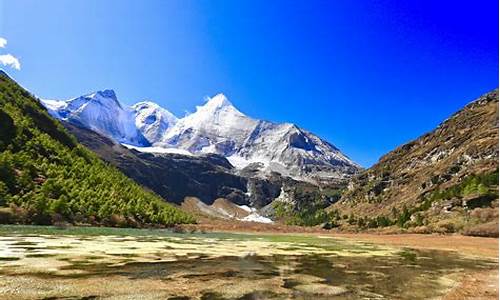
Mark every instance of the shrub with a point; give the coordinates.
(485, 230)
(484, 215)
(403, 217)
(421, 230)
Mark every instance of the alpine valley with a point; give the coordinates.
(249, 150)
(214, 153)
(218, 163)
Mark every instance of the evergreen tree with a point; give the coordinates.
(47, 175)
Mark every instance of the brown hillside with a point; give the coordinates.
(464, 145)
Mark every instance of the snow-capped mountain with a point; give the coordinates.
(101, 112)
(215, 127)
(152, 120)
(218, 127)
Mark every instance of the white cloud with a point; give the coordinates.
(10, 60)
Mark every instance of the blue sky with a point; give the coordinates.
(365, 75)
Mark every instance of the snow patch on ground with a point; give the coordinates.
(159, 150)
(209, 149)
(237, 161)
(246, 208)
(255, 217)
(240, 162)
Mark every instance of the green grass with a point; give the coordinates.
(307, 240)
(83, 231)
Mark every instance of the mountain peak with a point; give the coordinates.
(218, 101)
(144, 104)
(104, 94)
(105, 97)
(150, 107)
(108, 93)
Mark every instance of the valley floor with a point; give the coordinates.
(473, 285)
(469, 245)
(466, 245)
(46, 262)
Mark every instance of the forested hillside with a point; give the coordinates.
(46, 176)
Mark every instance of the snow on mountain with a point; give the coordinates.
(53, 106)
(152, 120)
(218, 127)
(215, 127)
(101, 112)
(152, 149)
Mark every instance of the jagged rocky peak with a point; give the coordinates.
(220, 109)
(149, 113)
(298, 139)
(215, 127)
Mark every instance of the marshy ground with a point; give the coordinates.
(106, 263)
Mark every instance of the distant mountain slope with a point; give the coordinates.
(442, 175)
(46, 176)
(174, 176)
(218, 127)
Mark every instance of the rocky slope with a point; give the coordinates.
(436, 180)
(216, 127)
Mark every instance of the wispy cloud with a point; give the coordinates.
(10, 60)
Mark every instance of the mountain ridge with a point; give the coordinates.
(439, 181)
(218, 127)
(100, 111)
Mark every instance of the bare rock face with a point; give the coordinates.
(463, 145)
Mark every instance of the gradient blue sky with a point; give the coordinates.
(365, 75)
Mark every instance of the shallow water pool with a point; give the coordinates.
(93, 263)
